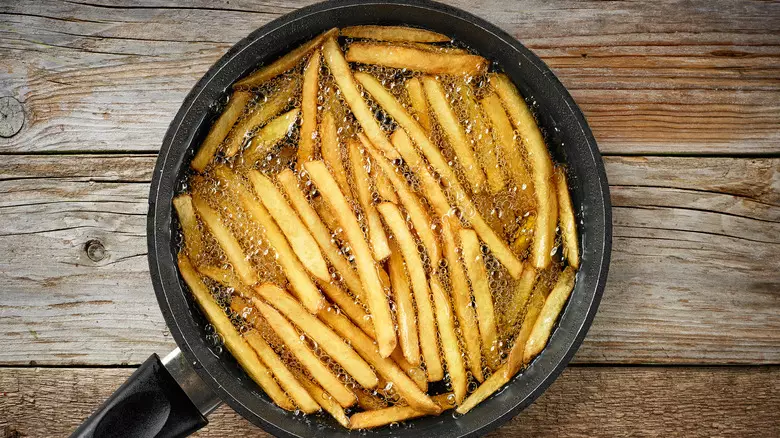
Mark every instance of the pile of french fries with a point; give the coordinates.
(375, 232)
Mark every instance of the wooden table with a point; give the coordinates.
(684, 100)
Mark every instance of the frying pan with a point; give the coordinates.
(171, 397)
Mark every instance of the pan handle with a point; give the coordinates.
(163, 398)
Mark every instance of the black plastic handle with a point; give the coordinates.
(149, 404)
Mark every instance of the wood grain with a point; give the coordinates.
(584, 401)
(675, 77)
(694, 274)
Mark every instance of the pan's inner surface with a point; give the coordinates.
(566, 133)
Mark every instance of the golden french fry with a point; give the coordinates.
(381, 417)
(330, 220)
(435, 48)
(520, 297)
(269, 135)
(346, 83)
(349, 306)
(485, 148)
(376, 233)
(541, 169)
(219, 130)
(475, 267)
(461, 297)
(515, 361)
(568, 226)
(331, 150)
(325, 400)
(237, 346)
(455, 133)
(394, 33)
(425, 317)
(385, 367)
(285, 63)
(301, 241)
(193, 237)
(426, 61)
(329, 341)
(369, 402)
(375, 295)
(311, 86)
(449, 341)
(419, 103)
(407, 320)
(384, 187)
(524, 234)
(226, 240)
(483, 391)
(295, 272)
(258, 116)
(415, 372)
(227, 278)
(386, 100)
(321, 373)
(553, 306)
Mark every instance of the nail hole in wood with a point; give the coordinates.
(95, 250)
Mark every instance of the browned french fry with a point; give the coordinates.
(384, 187)
(346, 83)
(368, 401)
(321, 373)
(553, 306)
(301, 241)
(258, 116)
(484, 146)
(407, 320)
(394, 414)
(386, 100)
(285, 63)
(475, 267)
(331, 150)
(375, 295)
(376, 233)
(219, 130)
(227, 241)
(449, 341)
(426, 61)
(325, 400)
(394, 33)
(515, 361)
(461, 297)
(524, 234)
(541, 169)
(269, 135)
(485, 390)
(568, 226)
(295, 272)
(455, 133)
(435, 48)
(311, 86)
(193, 237)
(329, 341)
(385, 367)
(330, 220)
(237, 346)
(419, 103)
(520, 297)
(425, 317)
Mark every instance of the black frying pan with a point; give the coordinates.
(168, 399)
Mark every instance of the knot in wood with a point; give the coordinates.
(95, 250)
(11, 116)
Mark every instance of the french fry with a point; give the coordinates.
(328, 403)
(331, 150)
(369, 402)
(193, 237)
(394, 414)
(524, 234)
(226, 278)
(419, 103)
(226, 240)
(298, 235)
(330, 220)
(520, 297)
(407, 320)
(566, 219)
(295, 272)
(376, 233)
(311, 86)
(219, 130)
(321, 373)
(435, 48)
(484, 146)
(269, 135)
(237, 346)
(449, 341)
(329, 341)
(350, 308)
(483, 391)
(553, 306)
(426, 61)
(384, 187)
(346, 83)
(475, 267)
(461, 297)
(375, 295)
(425, 317)
(415, 372)
(285, 63)
(385, 367)
(515, 361)
(386, 100)
(541, 169)
(455, 133)
(258, 116)
(393, 33)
